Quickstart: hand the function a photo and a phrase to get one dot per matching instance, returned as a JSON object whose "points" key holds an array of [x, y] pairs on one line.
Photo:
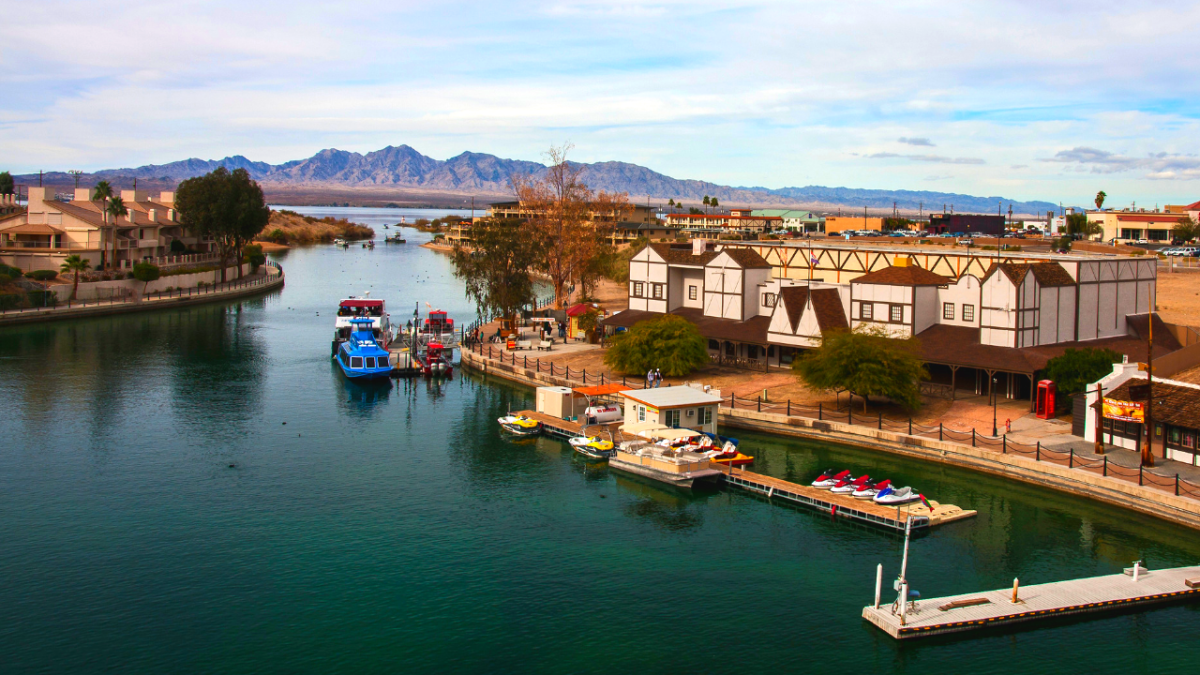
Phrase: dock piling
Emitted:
{"points": [[878, 583], [1016, 585]]}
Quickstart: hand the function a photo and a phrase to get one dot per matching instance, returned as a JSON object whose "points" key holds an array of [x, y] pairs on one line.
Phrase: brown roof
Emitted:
{"points": [[682, 256], [1046, 273], [747, 258], [30, 228], [960, 346], [903, 276], [90, 212], [753, 331], [1173, 404], [794, 299], [1163, 337], [831, 315]]}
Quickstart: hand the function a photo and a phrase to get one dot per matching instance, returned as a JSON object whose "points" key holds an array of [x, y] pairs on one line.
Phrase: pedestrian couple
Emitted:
{"points": [[654, 378]]}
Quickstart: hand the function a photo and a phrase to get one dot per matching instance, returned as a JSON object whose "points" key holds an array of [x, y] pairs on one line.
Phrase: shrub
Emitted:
{"points": [[12, 300], [254, 256], [1075, 369], [42, 275], [178, 247], [4, 279], [277, 236], [146, 272], [670, 343], [42, 298], [13, 272], [131, 275]]}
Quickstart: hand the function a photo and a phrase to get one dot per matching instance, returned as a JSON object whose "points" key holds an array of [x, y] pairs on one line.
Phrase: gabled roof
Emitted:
{"points": [[1194, 206], [671, 397], [1047, 274], [31, 228], [1163, 337], [682, 256], [831, 315], [903, 276], [1174, 404], [794, 299], [746, 258]]}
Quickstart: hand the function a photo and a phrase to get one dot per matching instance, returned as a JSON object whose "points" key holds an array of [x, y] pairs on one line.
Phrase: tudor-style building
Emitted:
{"points": [[975, 334]]}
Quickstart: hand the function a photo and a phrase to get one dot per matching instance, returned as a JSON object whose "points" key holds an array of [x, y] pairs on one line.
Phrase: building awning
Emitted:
{"points": [[31, 228], [602, 389]]}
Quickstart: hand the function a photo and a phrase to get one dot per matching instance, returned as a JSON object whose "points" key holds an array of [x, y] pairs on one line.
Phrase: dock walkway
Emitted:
{"points": [[972, 611], [561, 428], [846, 506]]}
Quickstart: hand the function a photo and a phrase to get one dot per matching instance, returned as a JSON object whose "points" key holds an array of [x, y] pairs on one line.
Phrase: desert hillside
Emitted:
{"points": [[289, 227]]}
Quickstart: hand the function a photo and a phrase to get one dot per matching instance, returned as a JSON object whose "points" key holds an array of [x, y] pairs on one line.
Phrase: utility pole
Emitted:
{"points": [[39, 178], [1148, 449], [76, 173]]}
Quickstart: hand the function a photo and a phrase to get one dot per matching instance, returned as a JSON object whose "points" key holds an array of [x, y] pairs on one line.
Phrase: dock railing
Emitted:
{"points": [[789, 410]]}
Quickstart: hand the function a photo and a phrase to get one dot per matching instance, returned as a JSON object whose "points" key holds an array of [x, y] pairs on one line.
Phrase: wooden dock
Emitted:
{"points": [[972, 611], [846, 506], [556, 426]]}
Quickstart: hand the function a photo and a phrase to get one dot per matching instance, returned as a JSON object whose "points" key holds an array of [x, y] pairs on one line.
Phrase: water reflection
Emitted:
{"points": [[662, 506], [357, 399]]}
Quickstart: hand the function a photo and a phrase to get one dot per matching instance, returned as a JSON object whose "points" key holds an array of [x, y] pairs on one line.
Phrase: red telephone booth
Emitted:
{"points": [[1045, 399]]}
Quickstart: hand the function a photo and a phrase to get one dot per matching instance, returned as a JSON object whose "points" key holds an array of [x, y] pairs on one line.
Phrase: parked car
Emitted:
{"points": [[1142, 241], [966, 241]]}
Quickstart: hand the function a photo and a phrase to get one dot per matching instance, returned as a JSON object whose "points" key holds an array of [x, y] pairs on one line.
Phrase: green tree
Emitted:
{"points": [[254, 255], [6, 183], [1100, 197], [227, 206], [496, 267], [669, 342], [1185, 230], [146, 272], [671, 202], [706, 202], [866, 363], [75, 263], [103, 192], [1077, 223], [113, 212], [713, 202], [1074, 369]]}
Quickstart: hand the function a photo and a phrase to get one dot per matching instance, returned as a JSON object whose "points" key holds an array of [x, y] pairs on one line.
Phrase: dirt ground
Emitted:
{"points": [[1179, 297]]}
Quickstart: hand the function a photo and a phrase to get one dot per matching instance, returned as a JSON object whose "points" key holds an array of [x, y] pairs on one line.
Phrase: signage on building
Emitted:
{"points": [[1127, 411]]}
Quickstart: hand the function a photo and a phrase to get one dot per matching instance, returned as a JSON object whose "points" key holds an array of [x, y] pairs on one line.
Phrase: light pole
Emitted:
{"points": [[995, 381]]}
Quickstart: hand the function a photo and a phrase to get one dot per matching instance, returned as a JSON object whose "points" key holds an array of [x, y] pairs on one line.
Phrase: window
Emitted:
{"points": [[968, 312], [706, 415], [897, 314], [1189, 440], [768, 299], [356, 362], [370, 361], [637, 289], [691, 292], [948, 311], [671, 418], [865, 311], [658, 291], [714, 345], [641, 413]]}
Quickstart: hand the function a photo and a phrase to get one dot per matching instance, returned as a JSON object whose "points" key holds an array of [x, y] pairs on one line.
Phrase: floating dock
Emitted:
{"points": [[556, 426], [845, 506], [972, 611]]}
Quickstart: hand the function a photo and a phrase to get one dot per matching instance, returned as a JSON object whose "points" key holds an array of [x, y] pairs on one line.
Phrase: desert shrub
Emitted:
{"points": [[42, 298], [42, 275], [12, 300], [12, 272], [277, 236]]}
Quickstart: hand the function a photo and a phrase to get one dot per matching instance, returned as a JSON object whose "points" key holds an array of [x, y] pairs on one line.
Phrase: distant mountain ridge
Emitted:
{"points": [[471, 172]]}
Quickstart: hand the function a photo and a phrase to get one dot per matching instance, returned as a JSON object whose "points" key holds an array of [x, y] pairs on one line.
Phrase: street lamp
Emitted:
{"points": [[995, 398]]}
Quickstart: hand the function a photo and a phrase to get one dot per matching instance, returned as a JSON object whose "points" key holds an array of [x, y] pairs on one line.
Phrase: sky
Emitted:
{"points": [[1026, 99]]}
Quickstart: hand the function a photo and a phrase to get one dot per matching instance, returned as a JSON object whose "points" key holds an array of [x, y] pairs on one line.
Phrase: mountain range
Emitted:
{"points": [[402, 167]]}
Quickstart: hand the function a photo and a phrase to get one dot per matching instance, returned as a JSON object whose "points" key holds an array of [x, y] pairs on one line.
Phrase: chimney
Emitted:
{"points": [[153, 215], [697, 246], [166, 198], [134, 196], [129, 216], [36, 195], [84, 194]]}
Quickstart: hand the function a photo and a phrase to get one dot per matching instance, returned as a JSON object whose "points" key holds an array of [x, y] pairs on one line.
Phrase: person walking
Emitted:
{"points": [[657, 378], [650, 378]]}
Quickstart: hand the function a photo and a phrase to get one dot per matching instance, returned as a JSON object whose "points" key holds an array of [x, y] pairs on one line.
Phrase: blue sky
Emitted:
{"points": [[1025, 99]]}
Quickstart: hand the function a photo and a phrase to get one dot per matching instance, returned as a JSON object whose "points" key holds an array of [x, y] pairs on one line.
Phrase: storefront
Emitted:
{"points": [[1175, 415]]}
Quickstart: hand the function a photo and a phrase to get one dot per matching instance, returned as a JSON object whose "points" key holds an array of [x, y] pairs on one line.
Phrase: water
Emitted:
{"points": [[157, 515]]}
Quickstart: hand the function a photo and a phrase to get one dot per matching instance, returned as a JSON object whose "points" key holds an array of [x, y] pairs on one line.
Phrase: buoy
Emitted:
{"points": [[233, 466], [285, 422], [603, 497]]}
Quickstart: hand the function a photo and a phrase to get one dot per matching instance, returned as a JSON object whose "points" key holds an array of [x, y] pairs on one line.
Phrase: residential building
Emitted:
{"points": [[49, 230], [1133, 226], [739, 222], [977, 330]]}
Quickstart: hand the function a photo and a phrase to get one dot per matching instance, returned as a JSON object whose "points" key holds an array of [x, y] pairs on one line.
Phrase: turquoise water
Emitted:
{"points": [[158, 515]]}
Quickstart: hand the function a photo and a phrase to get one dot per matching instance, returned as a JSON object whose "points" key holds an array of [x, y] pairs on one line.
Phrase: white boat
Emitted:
{"points": [[680, 468], [352, 308], [829, 478], [592, 447], [889, 496], [340, 243], [869, 490], [520, 425]]}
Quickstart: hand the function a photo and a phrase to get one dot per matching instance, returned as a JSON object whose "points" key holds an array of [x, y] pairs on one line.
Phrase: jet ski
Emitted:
{"points": [[520, 425], [592, 447], [848, 485], [868, 490], [829, 478], [892, 496]]}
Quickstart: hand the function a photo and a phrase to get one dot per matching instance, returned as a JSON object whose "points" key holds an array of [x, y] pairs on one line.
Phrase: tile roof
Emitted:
{"points": [[903, 276], [682, 256], [960, 346], [31, 228], [1173, 404], [747, 258], [831, 314]]}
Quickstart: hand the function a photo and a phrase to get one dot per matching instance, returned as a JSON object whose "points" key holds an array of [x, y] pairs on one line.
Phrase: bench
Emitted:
{"points": [[524, 344], [545, 345]]}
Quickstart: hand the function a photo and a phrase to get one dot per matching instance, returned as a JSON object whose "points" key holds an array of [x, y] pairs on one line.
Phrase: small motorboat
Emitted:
{"points": [[520, 425], [361, 357], [829, 478], [394, 239], [592, 447], [848, 486], [370, 244], [869, 489], [891, 497], [341, 243]]}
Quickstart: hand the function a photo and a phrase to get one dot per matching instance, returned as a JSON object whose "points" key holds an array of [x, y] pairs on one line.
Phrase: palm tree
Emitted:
{"points": [[116, 209], [74, 263], [104, 192], [706, 202], [1100, 197]]}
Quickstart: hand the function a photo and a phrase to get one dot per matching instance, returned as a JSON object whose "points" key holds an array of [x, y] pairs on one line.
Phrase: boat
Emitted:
{"points": [[679, 467], [728, 453], [394, 239], [369, 244], [438, 326], [848, 486], [361, 357], [890, 496], [352, 308], [829, 478], [432, 361], [520, 425], [385, 226], [870, 489], [592, 447], [340, 243]]}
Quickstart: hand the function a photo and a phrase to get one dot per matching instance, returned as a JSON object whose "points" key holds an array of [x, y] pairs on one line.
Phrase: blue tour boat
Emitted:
{"points": [[361, 357]]}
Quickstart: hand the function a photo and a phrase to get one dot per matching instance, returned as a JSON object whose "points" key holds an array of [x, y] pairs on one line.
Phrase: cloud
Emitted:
{"points": [[931, 178], [1158, 166], [916, 141], [1019, 166], [932, 159]]}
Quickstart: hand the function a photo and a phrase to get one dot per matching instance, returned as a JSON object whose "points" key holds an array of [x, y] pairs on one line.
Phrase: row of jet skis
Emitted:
{"points": [[716, 448], [862, 487]]}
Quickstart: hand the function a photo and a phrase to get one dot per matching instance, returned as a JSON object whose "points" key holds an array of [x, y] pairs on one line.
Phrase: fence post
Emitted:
{"points": [[1038, 456], [940, 431], [760, 403], [1071, 459], [972, 437], [1106, 465], [819, 414], [1176, 485], [789, 407], [910, 425], [526, 357], [585, 377], [732, 401], [622, 380], [1140, 467], [881, 420], [601, 378]]}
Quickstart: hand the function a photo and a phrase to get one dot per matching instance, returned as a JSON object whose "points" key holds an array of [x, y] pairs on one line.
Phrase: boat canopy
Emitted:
{"points": [[361, 302], [602, 389], [672, 434], [640, 427]]}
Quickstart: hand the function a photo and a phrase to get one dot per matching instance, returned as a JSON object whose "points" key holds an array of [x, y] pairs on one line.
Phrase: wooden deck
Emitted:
{"points": [[556, 426], [973, 611], [846, 506]]}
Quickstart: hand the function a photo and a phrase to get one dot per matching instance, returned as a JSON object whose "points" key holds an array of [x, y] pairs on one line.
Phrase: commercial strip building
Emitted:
{"points": [[793, 220], [996, 328], [48, 230], [738, 222], [838, 224], [1133, 226]]}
